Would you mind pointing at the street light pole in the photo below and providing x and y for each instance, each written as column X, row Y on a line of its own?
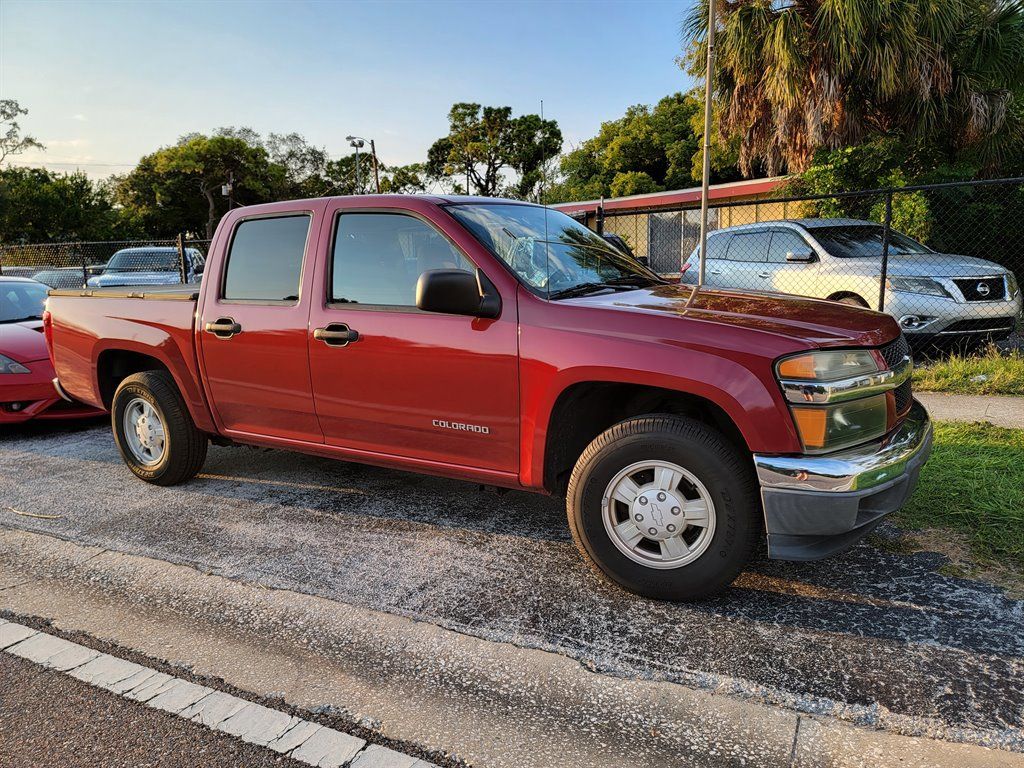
column 376, row 169
column 706, row 176
column 355, row 141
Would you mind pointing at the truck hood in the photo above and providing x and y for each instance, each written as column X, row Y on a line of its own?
column 23, row 342
column 819, row 323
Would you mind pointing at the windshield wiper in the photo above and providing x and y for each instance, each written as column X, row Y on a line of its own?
column 587, row 289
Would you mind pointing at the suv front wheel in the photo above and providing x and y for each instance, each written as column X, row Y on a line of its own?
column 665, row 506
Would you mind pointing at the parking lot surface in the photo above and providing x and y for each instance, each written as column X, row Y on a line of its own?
column 872, row 637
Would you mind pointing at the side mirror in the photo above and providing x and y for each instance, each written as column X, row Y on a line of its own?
column 457, row 292
column 197, row 268
column 803, row 257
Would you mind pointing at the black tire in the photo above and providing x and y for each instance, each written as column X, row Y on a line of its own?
column 184, row 445
column 726, row 473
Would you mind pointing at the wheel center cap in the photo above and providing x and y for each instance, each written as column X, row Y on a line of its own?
column 658, row 514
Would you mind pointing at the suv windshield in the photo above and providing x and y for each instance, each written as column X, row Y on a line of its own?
column 858, row 242
column 21, row 301
column 144, row 260
column 554, row 255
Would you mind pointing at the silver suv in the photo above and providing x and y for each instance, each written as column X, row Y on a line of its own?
column 934, row 296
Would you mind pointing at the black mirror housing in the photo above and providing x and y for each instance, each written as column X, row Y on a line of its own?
column 457, row 292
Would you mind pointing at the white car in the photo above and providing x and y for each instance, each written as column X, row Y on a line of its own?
column 934, row 296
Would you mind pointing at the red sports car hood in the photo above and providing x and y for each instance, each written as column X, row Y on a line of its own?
column 817, row 322
column 23, row 342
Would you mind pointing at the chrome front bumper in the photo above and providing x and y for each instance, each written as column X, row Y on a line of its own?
column 815, row 506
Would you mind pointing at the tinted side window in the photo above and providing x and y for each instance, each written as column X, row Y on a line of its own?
column 379, row 257
column 265, row 261
column 717, row 246
column 785, row 241
column 749, row 246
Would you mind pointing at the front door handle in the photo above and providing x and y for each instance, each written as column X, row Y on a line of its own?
column 763, row 275
column 223, row 328
column 336, row 335
column 715, row 272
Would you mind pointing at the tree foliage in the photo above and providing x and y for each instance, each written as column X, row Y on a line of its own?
column 484, row 144
column 12, row 142
column 798, row 76
column 646, row 150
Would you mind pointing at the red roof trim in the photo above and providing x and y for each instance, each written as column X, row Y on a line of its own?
column 679, row 197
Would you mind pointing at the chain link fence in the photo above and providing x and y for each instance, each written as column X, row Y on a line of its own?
column 942, row 259
column 107, row 264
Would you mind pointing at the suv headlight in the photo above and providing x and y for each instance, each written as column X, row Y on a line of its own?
column 10, row 366
column 923, row 285
column 1012, row 289
column 837, row 397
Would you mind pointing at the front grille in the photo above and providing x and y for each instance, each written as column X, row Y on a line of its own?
column 894, row 352
column 982, row 288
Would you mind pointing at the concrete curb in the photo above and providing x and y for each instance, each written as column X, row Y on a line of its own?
column 293, row 737
column 1000, row 410
column 482, row 702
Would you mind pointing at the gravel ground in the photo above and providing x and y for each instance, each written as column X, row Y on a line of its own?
column 873, row 636
column 48, row 718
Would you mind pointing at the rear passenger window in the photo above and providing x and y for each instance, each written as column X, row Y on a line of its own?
column 265, row 260
column 717, row 246
column 749, row 246
column 379, row 257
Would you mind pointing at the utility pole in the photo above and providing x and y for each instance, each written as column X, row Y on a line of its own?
column 706, row 176
column 355, row 141
column 376, row 169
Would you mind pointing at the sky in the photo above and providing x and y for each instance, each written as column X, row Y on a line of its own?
column 107, row 82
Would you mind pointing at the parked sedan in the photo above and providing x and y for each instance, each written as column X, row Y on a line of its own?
column 61, row 277
column 26, row 373
column 935, row 297
column 148, row 265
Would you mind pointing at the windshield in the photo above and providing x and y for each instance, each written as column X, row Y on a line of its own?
column 149, row 260
column 552, row 254
column 21, row 301
column 858, row 242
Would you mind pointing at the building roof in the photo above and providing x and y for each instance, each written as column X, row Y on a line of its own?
column 677, row 197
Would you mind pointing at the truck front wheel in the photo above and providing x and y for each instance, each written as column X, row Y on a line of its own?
column 665, row 506
column 154, row 431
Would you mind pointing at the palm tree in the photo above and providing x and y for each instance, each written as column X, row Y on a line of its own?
column 797, row 75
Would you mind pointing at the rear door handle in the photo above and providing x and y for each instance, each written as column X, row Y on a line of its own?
column 715, row 272
column 336, row 335
column 763, row 275
column 223, row 328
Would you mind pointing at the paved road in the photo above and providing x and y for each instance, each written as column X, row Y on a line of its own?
column 48, row 718
column 874, row 637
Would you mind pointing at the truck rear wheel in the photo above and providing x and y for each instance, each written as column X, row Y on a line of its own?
column 154, row 431
column 665, row 507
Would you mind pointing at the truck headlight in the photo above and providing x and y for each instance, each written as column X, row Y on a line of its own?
column 10, row 366
column 1012, row 289
column 838, row 397
column 923, row 285
column 831, row 427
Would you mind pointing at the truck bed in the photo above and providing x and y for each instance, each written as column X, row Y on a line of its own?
column 161, row 292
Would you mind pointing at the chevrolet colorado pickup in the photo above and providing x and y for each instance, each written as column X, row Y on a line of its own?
column 504, row 343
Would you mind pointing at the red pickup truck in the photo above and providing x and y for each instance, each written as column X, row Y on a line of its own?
column 506, row 344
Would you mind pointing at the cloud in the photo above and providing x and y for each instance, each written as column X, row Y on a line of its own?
column 80, row 118
column 66, row 143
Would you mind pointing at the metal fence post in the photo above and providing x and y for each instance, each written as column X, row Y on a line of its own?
column 85, row 267
column 600, row 217
column 886, row 222
column 181, row 258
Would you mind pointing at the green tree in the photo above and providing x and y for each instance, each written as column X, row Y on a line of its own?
column 178, row 188
column 648, row 149
column 40, row 206
column 795, row 77
column 11, row 140
column 484, row 143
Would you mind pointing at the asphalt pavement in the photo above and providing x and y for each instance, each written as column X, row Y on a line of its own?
column 876, row 638
column 50, row 719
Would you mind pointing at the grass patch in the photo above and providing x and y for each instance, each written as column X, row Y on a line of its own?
column 974, row 485
column 991, row 373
